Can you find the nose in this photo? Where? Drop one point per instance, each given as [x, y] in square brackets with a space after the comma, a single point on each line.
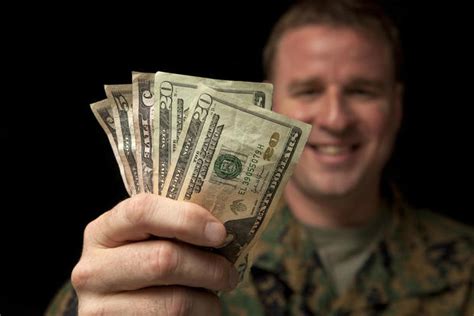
[333, 113]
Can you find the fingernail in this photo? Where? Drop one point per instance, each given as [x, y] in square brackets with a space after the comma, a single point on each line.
[233, 278]
[215, 232]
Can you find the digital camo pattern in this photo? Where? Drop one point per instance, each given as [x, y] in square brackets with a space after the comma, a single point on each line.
[234, 159]
[423, 266]
[174, 94]
[143, 108]
[103, 113]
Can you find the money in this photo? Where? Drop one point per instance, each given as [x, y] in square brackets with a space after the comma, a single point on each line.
[103, 113]
[174, 93]
[234, 159]
[120, 96]
[212, 142]
[143, 109]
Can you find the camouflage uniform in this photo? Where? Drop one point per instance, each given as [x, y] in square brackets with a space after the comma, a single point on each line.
[423, 266]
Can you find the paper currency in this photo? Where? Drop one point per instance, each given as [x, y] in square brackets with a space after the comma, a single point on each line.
[234, 159]
[143, 101]
[103, 113]
[213, 142]
[120, 96]
[174, 93]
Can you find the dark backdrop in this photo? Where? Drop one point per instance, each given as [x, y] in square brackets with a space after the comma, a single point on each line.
[58, 169]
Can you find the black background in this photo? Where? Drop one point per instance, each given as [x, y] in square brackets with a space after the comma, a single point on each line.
[58, 168]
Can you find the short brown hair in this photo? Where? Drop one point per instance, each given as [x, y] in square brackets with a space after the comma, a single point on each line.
[367, 15]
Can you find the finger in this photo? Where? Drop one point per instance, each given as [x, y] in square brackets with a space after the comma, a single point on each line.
[146, 215]
[170, 300]
[152, 263]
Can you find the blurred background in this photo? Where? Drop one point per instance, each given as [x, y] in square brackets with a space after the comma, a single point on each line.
[58, 168]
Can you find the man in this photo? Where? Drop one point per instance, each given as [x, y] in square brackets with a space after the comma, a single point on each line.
[339, 246]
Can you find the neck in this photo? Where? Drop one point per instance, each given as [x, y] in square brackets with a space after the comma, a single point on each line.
[353, 210]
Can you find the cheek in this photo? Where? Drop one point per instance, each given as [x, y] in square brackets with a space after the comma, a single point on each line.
[381, 133]
[290, 108]
[378, 122]
[281, 102]
[280, 105]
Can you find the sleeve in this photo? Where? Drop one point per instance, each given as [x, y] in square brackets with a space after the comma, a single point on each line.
[64, 302]
[469, 304]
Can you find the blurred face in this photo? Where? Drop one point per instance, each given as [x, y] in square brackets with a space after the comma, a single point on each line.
[341, 82]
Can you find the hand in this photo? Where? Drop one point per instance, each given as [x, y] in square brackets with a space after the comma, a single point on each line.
[141, 258]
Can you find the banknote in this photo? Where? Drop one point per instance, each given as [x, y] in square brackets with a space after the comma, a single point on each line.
[174, 93]
[234, 159]
[120, 97]
[103, 113]
[143, 108]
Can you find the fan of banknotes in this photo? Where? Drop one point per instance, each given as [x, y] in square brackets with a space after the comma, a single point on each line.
[213, 142]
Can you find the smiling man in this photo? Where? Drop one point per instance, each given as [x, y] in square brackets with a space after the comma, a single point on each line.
[339, 245]
[343, 245]
[342, 81]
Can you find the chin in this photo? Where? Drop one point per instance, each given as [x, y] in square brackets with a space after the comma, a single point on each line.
[331, 185]
[333, 191]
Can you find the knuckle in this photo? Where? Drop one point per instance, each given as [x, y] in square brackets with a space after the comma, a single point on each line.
[185, 214]
[81, 276]
[164, 261]
[90, 231]
[179, 303]
[220, 270]
[87, 309]
[190, 216]
[137, 209]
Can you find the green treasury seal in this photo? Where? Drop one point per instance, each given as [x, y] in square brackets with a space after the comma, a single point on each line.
[227, 166]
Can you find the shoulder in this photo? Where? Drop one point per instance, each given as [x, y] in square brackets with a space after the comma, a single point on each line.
[432, 248]
[425, 261]
[440, 232]
[449, 245]
[448, 227]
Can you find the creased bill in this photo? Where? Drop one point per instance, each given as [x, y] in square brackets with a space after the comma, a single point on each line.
[143, 108]
[103, 113]
[234, 159]
[174, 93]
[120, 96]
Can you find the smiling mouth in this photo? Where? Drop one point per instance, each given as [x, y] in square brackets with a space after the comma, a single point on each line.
[334, 150]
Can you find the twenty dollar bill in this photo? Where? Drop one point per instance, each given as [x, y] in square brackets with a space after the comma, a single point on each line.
[174, 93]
[234, 159]
[103, 113]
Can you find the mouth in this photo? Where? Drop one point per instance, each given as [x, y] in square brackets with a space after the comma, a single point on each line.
[334, 150]
[334, 153]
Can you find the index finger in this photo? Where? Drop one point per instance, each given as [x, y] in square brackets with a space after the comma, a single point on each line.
[145, 215]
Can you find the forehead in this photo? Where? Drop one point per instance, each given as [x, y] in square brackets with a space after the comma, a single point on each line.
[319, 47]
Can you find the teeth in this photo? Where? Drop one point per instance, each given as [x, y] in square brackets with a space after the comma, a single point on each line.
[332, 150]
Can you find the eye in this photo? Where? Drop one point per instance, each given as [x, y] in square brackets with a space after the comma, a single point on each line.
[357, 91]
[362, 92]
[306, 92]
